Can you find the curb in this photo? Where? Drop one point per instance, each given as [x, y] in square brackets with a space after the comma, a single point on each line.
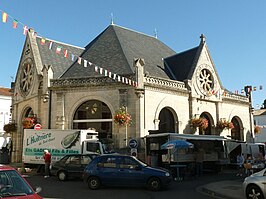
[214, 194]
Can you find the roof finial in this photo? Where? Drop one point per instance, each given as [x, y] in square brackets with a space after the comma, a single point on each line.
[203, 38]
[112, 19]
[155, 33]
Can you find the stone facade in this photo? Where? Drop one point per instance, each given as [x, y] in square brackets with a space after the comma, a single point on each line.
[152, 103]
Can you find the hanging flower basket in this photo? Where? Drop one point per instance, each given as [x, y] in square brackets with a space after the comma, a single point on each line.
[29, 122]
[10, 127]
[200, 122]
[223, 124]
[257, 129]
[122, 118]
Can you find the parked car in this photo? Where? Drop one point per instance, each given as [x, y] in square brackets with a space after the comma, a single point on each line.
[71, 166]
[14, 185]
[124, 170]
[254, 185]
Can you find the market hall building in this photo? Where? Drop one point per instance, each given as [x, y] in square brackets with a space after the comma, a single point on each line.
[69, 87]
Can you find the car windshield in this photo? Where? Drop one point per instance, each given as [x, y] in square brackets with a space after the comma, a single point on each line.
[12, 184]
[140, 162]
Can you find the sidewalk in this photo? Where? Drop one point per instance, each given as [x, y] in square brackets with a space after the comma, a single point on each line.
[224, 189]
[229, 189]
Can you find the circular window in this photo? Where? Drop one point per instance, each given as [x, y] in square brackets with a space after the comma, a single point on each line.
[206, 80]
[26, 77]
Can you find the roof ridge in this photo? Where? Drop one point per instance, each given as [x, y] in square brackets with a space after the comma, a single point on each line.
[134, 31]
[62, 43]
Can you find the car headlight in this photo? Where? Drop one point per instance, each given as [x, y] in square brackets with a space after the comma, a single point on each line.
[167, 174]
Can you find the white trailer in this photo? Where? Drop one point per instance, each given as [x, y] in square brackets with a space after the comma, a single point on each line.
[59, 143]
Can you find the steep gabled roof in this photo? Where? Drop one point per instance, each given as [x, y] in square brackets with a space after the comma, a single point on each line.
[181, 63]
[115, 49]
[58, 62]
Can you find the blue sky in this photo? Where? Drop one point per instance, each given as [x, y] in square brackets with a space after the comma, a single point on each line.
[235, 31]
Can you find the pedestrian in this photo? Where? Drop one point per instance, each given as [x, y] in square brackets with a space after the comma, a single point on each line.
[47, 162]
[240, 162]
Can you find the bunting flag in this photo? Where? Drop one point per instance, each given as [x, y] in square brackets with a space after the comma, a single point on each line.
[31, 31]
[242, 91]
[72, 57]
[58, 49]
[15, 23]
[50, 45]
[101, 70]
[254, 88]
[79, 60]
[85, 63]
[43, 41]
[260, 87]
[4, 17]
[66, 53]
[25, 30]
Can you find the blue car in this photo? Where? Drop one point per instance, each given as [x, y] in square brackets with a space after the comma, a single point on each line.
[124, 170]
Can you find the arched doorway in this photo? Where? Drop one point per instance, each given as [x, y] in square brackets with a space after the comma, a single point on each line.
[208, 130]
[167, 121]
[236, 131]
[94, 114]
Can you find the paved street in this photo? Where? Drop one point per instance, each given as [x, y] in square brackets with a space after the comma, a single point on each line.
[189, 188]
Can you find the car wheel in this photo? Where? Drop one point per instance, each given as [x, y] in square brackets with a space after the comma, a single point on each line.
[61, 175]
[94, 183]
[154, 184]
[254, 191]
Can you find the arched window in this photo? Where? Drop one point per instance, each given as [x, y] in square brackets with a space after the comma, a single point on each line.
[94, 114]
[207, 131]
[235, 132]
[167, 121]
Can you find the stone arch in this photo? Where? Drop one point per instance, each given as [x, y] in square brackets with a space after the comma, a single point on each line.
[237, 131]
[93, 113]
[210, 128]
[167, 120]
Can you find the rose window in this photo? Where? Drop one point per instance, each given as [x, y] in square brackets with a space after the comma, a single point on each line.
[206, 80]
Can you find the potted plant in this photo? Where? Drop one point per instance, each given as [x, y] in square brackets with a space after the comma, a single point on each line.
[200, 122]
[224, 124]
[122, 118]
[10, 127]
[29, 122]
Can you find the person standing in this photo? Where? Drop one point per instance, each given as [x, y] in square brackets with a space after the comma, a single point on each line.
[47, 162]
[240, 163]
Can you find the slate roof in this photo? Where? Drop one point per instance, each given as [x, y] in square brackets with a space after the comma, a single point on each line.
[115, 49]
[58, 62]
[180, 64]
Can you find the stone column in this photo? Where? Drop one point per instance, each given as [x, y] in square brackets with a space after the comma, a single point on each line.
[140, 100]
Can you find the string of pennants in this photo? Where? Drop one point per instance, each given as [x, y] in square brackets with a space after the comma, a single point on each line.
[59, 50]
[245, 90]
[249, 89]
